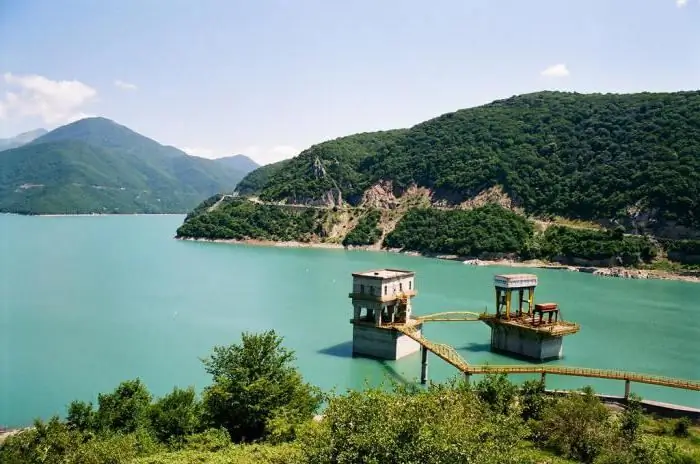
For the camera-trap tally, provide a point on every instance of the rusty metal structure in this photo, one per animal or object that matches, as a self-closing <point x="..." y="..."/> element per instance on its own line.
<point x="542" y="320"/>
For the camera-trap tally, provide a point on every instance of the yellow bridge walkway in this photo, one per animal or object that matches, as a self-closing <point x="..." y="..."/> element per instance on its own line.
<point x="450" y="355"/>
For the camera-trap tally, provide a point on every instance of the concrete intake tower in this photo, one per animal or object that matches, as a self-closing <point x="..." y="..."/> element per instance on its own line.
<point x="527" y="329"/>
<point x="381" y="300"/>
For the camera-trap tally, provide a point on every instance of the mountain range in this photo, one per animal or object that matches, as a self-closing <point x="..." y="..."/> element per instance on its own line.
<point x="95" y="165"/>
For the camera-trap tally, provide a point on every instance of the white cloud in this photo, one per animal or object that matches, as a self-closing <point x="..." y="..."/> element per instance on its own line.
<point x="262" y="155"/>
<point x="55" y="102"/>
<point x="681" y="3"/>
<point x="557" y="70"/>
<point x="125" y="85"/>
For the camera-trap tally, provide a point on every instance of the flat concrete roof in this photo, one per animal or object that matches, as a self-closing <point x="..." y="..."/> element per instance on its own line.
<point x="384" y="273"/>
<point x="515" y="276"/>
<point x="512" y="281"/>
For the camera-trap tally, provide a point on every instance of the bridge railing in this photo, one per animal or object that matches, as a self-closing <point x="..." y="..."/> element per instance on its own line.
<point x="450" y="355"/>
<point x="588" y="372"/>
<point x="460" y="316"/>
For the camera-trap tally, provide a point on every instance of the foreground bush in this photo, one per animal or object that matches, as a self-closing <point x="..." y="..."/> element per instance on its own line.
<point x="443" y="424"/>
<point x="255" y="384"/>
<point x="258" y="396"/>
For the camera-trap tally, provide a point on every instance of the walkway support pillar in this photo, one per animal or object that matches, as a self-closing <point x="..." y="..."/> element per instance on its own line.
<point x="467" y="377"/>
<point x="627" y="389"/>
<point x="544" y="379"/>
<point x="423" y="365"/>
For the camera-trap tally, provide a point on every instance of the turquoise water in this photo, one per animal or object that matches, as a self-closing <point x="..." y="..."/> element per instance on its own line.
<point x="86" y="302"/>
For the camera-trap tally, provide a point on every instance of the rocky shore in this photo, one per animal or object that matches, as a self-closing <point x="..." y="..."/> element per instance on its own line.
<point x="619" y="272"/>
<point x="6" y="433"/>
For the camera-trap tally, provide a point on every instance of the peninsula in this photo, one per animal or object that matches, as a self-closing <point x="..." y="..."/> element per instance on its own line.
<point x="586" y="180"/>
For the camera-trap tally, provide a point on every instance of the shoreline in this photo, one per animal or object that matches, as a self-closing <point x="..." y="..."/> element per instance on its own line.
<point x="7" y="433"/>
<point x="617" y="272"/>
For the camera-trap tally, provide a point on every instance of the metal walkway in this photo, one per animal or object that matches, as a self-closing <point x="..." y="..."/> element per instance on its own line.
<point x="450" y="316"/>
<point x="451" y="356"/>
<point x="442" y="350"/>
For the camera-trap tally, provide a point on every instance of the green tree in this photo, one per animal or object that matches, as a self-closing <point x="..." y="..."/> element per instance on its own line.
<point x="254" y="382"/>
<point x="646" y="450"/>
<point x="682" y="427"/>
<point x="46" y="443"/>
<point x="176" y="415"/>
<point x="497" y="391"/>
<point x="441" y="424"/>
<point x="81" y="416"/>
<point x="631" y="419"/>
<point x="532" y="399"/>
<point x="577" y="426"/>
<point x="366" y="232"/>
<point x="126" y="409"/>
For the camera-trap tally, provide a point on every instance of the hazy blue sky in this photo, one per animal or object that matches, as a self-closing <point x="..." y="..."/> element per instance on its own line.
<point x="269" y="77"/>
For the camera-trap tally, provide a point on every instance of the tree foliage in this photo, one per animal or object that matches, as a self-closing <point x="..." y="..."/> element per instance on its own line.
<point x="366" y="232"/>
<point x="595" y="156"/>
<point x="256" y="394"/>
<point x="442" y="424"/>
<point x="126" y="409"/>
<point x="242" y="219"/>
<point x="488" y="229"/>
<point x="577" y="427"/>
<point x="254" y="382"/>
<point x="176" y="415"/>
<point x="254" y="181"/>
<point x="81" y="416"/>
<point x="567" y="244"/>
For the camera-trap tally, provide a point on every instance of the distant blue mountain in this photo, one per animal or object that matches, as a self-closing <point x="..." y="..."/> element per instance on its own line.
<point x="21" y="139"/>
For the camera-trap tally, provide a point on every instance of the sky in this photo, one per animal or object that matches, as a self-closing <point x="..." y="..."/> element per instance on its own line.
<point x="269" y="78"/>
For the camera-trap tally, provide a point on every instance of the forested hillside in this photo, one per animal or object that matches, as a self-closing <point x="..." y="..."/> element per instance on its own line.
<point x="604" y="157"/>
<point x="98" y="166"/>
<point x="489" y="182"/>
<point x="254" y="181"/>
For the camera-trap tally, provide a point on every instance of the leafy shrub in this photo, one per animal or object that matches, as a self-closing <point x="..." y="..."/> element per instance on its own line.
<point x="176" y="415"/>
<point x="254" y="382"/>
<point x="577" y="426"/>
<point x="209" y="440"/>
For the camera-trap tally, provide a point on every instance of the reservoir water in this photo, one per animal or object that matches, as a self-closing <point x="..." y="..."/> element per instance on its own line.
<point x="86" y="302"/>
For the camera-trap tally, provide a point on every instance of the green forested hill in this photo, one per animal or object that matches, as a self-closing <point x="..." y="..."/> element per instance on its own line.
<point x="336" y="166"/>
<point x="254" y="181"/>
<point x="594" y="157"/>
<point x="628" y="162"/>
<point x="98" y="166"/>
